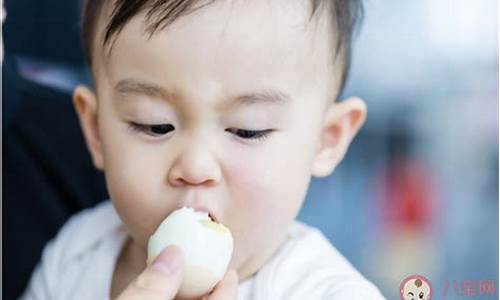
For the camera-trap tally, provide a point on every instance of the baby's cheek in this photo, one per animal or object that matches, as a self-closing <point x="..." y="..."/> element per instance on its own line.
<point x="258" y="216"/>
<point x="259" y="203"/>
<point x="134" y="188"/>
<point x="249" y="183"/>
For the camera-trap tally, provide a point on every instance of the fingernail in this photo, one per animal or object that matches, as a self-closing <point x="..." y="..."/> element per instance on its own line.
<point x="169" y="261"/>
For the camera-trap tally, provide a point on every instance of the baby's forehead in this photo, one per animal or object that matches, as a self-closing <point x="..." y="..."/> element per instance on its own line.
<point x="235" y="41"/>
<point x="262" y="16"/>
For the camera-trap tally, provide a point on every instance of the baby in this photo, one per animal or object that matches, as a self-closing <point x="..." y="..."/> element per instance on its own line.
<point x="227" y="107"/>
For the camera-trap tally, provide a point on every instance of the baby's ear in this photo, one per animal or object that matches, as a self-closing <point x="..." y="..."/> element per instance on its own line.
<point x="85" y="102"/>
<point x="342" y="122"/>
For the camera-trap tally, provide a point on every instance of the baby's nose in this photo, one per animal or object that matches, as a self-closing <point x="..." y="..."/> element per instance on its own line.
<point x="195" y="166"/>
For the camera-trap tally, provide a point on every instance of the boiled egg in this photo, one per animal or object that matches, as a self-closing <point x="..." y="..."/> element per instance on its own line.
<point x="207" y="247"/>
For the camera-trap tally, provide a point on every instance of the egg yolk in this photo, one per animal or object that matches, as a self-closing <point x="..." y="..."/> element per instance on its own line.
<point x="214" y="226"/>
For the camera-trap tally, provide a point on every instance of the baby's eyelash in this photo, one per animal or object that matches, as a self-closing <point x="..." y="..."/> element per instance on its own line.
<point x="158" y="130"/>
<point x="152" y="129"/>
<point x="250" y="134"/>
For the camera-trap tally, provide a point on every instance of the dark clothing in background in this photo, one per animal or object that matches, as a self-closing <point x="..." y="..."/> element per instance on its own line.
<point x="47" y="173"/>
<point x="46" y="30"/>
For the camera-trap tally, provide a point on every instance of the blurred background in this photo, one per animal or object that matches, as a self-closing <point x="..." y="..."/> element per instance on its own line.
<point x="418" y="191"/>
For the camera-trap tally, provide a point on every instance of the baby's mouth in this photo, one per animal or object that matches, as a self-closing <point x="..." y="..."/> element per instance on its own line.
<point x="212" y="217"/>
<point x="211" y="214"/>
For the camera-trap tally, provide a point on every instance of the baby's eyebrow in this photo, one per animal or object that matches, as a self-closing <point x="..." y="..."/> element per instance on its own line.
<point x="134" y="86"/>
<point x="264" y="96"/>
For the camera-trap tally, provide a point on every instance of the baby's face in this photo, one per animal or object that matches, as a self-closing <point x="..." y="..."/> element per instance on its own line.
<point x="416" y="289"/>
<point x="223" y="109"/>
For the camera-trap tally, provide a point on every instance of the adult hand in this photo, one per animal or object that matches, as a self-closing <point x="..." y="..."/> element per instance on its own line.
<point x="162" y="279"/>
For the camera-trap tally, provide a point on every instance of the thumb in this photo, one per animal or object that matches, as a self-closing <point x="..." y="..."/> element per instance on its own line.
<point x="160" y="280"/>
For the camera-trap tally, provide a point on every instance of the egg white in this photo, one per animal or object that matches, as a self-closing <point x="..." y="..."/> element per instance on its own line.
<point x="207" y="247"/>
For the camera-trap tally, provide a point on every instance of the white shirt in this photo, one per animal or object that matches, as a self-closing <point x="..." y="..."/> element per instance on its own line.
<point x="79" y="264"/>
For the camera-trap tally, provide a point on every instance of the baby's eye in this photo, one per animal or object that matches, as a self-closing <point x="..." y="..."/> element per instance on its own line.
<point x="249" y="134"/>
<point x="153" y="129"/>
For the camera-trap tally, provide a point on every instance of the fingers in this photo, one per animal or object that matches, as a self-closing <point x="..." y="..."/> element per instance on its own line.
<point x="226" y="289"/>
<point x="160" y="280"/>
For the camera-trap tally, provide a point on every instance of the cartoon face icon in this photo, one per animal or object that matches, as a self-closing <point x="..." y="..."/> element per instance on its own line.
<point x="415" y="287"/>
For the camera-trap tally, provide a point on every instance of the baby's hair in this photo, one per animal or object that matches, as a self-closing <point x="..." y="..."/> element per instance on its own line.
<point x="418" y="282"/>
<point x="161" y="13"/>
